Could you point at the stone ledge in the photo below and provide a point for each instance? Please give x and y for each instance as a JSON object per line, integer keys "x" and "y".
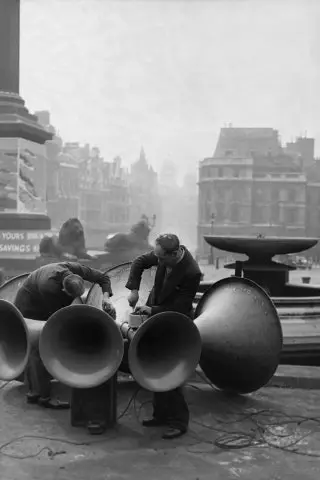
{"x": 286, "y": 376}
{"x": 295, "y": 376}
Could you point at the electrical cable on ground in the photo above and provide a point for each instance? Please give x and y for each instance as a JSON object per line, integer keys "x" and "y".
{"x": 52, "y": 453}
{"x": 258, "y": 438}
{"x": 227, "y": 440}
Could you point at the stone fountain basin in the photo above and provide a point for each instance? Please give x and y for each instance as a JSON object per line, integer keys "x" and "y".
{"x": 260, "y": 247}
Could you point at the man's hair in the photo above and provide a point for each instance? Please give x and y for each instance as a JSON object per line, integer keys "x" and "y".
{"x": 73, "y": 285}
{"x": 169, "y": 242}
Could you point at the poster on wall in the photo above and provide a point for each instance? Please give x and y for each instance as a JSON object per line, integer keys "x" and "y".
{"x": 31, "y": 177}
{"x": 8, "y": 179}
{"x": 20, "y": 244}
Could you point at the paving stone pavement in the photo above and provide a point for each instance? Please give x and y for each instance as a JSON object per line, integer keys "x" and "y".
{"x": 133, "y": 452}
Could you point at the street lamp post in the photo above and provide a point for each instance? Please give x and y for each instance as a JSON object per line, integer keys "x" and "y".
{"x": 211, "y": 260}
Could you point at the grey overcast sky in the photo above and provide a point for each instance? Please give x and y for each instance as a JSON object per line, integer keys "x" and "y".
{"x": 168, "y": 74}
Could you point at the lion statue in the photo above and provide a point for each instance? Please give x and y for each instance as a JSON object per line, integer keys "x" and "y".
{"x": 136, "y": 239}
{"x": 70, "y": 243}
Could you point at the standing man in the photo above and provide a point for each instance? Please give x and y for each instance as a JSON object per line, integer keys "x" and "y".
{"x": 46, "y": 290}
{"x": 176, "y": 283}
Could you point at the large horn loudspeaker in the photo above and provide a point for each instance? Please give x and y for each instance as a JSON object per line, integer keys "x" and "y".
{"x": 17, "y": 336}
{"x": 81, "y": 345}
{"x": 241, "y": 335}
{"x": 163, "y": 351}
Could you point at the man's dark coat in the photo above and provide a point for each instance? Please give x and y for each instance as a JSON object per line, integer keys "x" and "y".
{"x": 174, "y": 293}
{"x": 41, "y": 294}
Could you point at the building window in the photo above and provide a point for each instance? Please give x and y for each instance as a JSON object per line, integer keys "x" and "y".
{"x": 203, "y": 172}
{"x": 220, "y": 208}
{"x": 275, "y": 213}
{"x": 291, "y": 195}
{"x": 207, "y": 212}
{"x": 234, "y": 212}
{"x": 260, "y": 214}
{"x": 229, "y": 172}
{"x": 220, "y": 172}
{"x": 291, "y": 216}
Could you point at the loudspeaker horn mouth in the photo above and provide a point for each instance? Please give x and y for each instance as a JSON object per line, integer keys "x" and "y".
{"x": 14, "y": 342}
{"x": 81, "y": 346}
{"x": 164, "y": 351}
{"x": 241, "y": 335}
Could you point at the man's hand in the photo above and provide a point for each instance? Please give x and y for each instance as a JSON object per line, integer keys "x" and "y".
{"x": 133, "y": 298}
{"x": 144, "y": 310}
{"x": 108, "y": 307}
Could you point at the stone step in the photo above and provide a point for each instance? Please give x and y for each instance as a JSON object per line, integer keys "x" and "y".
{"x": 286, "y": 376}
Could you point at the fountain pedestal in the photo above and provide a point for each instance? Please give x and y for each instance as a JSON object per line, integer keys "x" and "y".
{"x": 271, "y": 275}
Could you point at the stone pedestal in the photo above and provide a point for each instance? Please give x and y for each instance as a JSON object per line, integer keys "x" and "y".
{"x": 272, "y": 276}
{"x": 23, "y": 212}
{"x": 22, "y": 176}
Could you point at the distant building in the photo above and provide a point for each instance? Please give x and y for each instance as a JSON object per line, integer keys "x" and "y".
{"x": 169, "y": 192}
{"x": 313, "y": 206}
{"x": 62, "y": 177}
{"x": 65, "y": 203}
{"x": 188, "y": 211}
{"x": 179, "y": 204}
{"x": 81, "y": 184}
{"x": 104, "y": 198}
{"x": 304, "y": 147}
{"x": 143, "y": 190}
{"x": 253, "y": 185}
{"x": 168, "y": 176}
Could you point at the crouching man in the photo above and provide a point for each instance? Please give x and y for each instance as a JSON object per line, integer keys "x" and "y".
{"x": 46, "y": 290}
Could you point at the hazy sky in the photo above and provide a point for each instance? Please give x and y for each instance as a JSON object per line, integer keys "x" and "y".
{"x": 168, "y": 74}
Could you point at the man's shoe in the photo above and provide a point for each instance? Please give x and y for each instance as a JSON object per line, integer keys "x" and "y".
{"x": 32, "y": 398}
{"x": 53, "y": 404}
{"x": 173, "y": 433}
{"x": 153, "y": 422}
{"x": 96, "y": 428}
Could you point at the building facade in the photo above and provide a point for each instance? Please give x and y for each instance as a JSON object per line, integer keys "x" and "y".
{"x": 179, "y": 202}
{"x": 104, "y": 198}
{"x": 188, "y": 203}
{"x": 81, "y": 184}
{"x": 252, "y": 185}
{"x": 143, "y": 190}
